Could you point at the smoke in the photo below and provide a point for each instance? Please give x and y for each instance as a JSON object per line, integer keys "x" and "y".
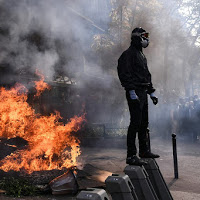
{"x": 46, "y": 35}
{"x": 56, "y": 38}
{"x": 172, "y": 57}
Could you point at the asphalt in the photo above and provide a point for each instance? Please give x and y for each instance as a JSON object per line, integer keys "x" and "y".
{"x": 101, "y": 162}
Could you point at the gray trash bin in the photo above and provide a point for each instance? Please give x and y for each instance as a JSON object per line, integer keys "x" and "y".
{"x": 92, "y": 194}
{"x": 157, "y": 180}
{"x": 141, "y": 182}
{"x": 120, "y": 187}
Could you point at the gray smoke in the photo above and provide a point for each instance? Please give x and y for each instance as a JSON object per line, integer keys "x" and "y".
{"x": 56, "y": 38}
{"x": 45, "y": 35}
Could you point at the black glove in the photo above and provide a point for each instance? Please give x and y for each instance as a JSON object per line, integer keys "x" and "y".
{"x": 154, "y": 98}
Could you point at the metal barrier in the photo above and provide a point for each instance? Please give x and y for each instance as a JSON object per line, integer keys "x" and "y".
{"x": 108, "y": 132}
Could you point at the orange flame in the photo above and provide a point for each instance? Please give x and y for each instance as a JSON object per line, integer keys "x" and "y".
{"x": 40, "y": 85}
{"x": 51, "y": 144}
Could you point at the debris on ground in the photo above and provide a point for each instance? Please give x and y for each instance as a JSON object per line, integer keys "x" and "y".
{"x": 65, "y": 184}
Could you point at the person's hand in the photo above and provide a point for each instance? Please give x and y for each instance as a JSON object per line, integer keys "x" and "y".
{"x": 154, "y": 98}
{"x": 133, "y": 95}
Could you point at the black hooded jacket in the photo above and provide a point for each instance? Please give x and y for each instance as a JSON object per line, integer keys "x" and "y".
{"x": 133, "y": 70}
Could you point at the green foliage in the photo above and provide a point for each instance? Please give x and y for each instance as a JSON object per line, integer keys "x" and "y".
{"x": 17, "y": 187}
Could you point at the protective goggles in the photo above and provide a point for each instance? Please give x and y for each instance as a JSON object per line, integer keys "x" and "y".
{"x": 145, "y": 34}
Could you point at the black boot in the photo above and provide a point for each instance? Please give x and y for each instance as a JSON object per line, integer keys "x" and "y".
{"x": 148, "y": 155}
{"x": 134, "y": 160}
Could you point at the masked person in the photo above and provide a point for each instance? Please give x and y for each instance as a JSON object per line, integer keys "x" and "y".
{"x": 136, "y": 79}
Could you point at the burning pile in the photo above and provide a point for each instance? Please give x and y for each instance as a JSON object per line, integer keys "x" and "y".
{"x": 51, "y": 143}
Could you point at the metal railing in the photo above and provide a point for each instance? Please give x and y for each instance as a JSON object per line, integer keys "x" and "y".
{"x": 103, "y": 130}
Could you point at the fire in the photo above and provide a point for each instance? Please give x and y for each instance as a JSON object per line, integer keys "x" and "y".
{"x": 51, "y": 143}
{"x": 40, "y": 85}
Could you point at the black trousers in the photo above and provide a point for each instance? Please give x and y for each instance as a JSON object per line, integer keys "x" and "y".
{"x": 138, "y": 123}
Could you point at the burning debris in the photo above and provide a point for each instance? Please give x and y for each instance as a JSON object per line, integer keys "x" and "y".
{"x": 51, "y": 144}
{"x": 65, "y": 80}
{"x": 40, "y": 85}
